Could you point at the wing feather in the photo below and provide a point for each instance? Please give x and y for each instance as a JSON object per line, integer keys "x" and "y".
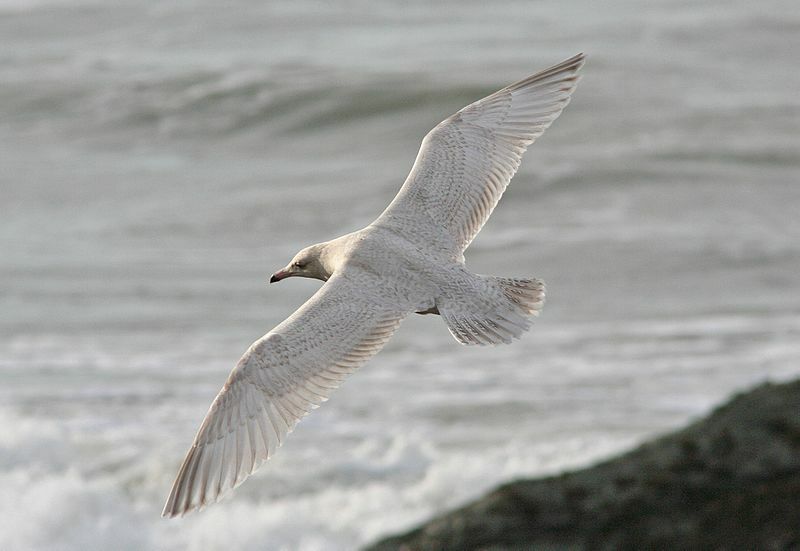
{"x": 466, "y": 162}
{"x": 282, "y": 377}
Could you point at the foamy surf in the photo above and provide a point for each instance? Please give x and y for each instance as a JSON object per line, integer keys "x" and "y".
{"x": 150, "y": 152}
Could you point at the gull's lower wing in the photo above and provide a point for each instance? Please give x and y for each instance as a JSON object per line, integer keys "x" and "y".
{"x": 281, "y": 377}
{"x": 466, "y": 162}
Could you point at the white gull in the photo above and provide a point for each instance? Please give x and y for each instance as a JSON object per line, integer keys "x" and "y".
{"x": 411, "y": 259}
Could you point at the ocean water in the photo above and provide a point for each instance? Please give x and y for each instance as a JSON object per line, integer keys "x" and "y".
{"x": 159, "y": 160}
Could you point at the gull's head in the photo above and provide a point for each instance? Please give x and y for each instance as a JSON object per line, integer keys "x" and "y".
{"x": 306, "y": 263}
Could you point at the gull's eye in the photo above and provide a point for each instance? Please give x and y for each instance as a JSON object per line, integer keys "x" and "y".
{"x": 299, "y": 264}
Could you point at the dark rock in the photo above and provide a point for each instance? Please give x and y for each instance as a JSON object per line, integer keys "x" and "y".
{"x": 729, "y": 481}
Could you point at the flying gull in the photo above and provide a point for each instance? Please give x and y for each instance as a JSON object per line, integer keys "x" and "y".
{"x": 411, "y": 259}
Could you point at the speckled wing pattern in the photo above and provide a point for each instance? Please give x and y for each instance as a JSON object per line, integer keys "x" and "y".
{"x": 462, "y": 169}
{"x": 466, "y": 162}
{"x": 281, "y": 377}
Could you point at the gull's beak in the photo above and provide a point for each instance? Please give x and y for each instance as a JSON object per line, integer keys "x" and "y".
{"x": 279, "y": 275}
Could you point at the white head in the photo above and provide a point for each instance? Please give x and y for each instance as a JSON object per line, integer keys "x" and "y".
{"x": 310, "y": 262}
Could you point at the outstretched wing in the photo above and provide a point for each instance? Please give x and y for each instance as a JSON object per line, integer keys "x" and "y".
{"x": 281, "y": 377}
{"x": 466, "y": 162}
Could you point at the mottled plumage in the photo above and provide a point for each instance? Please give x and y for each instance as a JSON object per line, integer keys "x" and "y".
{"x": 409, "y": 260}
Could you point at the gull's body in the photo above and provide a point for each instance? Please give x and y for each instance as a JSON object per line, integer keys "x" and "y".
{"x": 411, "y": 259}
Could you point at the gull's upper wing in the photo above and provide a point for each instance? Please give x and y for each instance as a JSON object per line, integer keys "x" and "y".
{"x": 281, "y": 377}
{"x": 466, "y": 162}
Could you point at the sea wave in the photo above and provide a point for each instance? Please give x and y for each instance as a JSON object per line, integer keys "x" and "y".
{"x": 214, "y": 104}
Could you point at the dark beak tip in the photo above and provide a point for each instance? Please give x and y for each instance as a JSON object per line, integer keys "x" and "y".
{"x": 274, "y": 278}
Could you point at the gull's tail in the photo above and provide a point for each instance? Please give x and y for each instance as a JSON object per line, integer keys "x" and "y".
{"x": 493, "y": 310}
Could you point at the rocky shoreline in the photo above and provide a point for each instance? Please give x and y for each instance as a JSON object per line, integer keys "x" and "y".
{"x": 728, "y": 481}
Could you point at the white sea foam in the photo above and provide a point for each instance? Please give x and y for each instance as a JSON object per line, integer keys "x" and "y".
{"x": 158, "y": 162}
{"x": 94, "y": 476}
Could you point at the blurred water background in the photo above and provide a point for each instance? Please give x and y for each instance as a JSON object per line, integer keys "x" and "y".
{"x": 158, "y": 160}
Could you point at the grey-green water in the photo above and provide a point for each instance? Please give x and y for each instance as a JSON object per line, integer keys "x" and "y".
{"x": 159, "y": 160}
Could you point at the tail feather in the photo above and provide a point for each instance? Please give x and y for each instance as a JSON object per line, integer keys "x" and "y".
{"x": 527, "y": 293}
{"x": 496, "y": 311}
